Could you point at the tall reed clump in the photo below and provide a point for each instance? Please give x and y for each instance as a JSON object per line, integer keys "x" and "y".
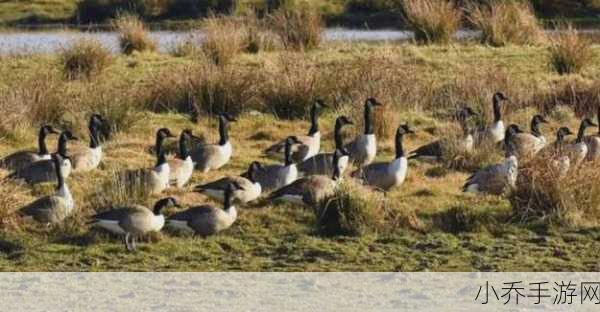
{"x": 84, "y": 58}
{"x": 506, "y": 22}
{"x": 224, "y": 38}
{"x": 544, "y": 192}
{"x": 569, "y": 52}
{"x": 299, "y": 27}
{"x": 433, "y": 21}
{"x": 133, "y": 35}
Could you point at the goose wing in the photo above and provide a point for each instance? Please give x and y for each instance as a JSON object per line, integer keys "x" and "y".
{"x": 318, "y": 164}
{"x": 206, "y": 156}
{"x": 48, "y": 209}
{"x": 491, "y": 179}
{"x": 296, "y": 188}
{"x": 527, "y": 144}
{"x": 37, "y": 172}
{"x": 18, "y": 160}
{"x": 269, "y": 177}
{"x": 222, "y": 183}
{"x": 433, "y": 149}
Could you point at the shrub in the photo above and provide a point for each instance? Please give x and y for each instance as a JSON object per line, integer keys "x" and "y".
{"x": 223, "y": 38}
{"x": 199, "y": 8}
{"x": 93, "y": 11}
{"x": 298, "y": 27}
{"x": 84, "y": 58}
{"x": 185, "y": 48}
{"x": 433, "y": 21}
{"x": 506, "y": 22}
{"x": 569, "y": 52}
{"x": 543, "y": 193}
{"x": 133, "y": 35}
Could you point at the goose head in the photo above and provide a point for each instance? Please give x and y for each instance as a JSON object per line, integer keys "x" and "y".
{"x": 187, "y": 134}
{"x": 291, "y": 140}
{"x": 164, "y": 133}
{"x": 319, "y": 104}
{"x": 465, "y": 112}
{"x": 230, "y": 189}
{"x": 165, "y": 203}
{"x": 499, "y": 97}
{"x": 67, "y": 135}
{"x": 400, "y": 133}
{"x": 226, "y": 118}
{"x": 96, "y": 120}
{"x": 403, "y": 130}
{"x": 48, "y": 129}
{"x": 586, "y": 123}
{"x": 253, "y": 169}
{"x": 512, "y": 130}
{"x": 371, "y": 102}
{"x": 562, "y": 133}
{"x": 538, "y": 119}
{"x": 342, "y": 121}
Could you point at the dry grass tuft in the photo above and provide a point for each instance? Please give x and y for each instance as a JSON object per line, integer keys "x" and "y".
{"x": 224, "y": 38}
{"x": 433, "y": 21}
{"x": 506, "y": 22}
{"x": 84, "y": 58}
{"x": 299, "y": 27}
{"x": 569, "y": 51}
{"x": 133, "y": 35}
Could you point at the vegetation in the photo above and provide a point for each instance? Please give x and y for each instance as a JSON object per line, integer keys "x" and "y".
{"x": 133, "y": 35}
{"x": 569, "y": 52}
{"x": 298, "y": 27}
{"x": 84, "y": 59}
{"x": 433, "y": 21}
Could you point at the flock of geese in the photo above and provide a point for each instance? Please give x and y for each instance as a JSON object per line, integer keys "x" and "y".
{"x": 305, "y": 177}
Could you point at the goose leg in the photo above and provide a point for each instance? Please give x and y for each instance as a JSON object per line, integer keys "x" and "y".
{"x": 133, "y": 242}
{"x": 127, "y": 243}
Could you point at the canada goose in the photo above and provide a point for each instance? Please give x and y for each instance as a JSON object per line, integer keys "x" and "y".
{"x": 22, "y": 159}
{"x": 182, "y": 167}
{"x": 323, "y": 163}
{"x": 495, "y": 179}
{"x": 560, "y": 162}
{"x": 250, "y": 187}
{"x": 364, "y": 147}
{"x": 207, "y": 220}
{"x": 593, "y": 142}
{"x": 309, "y": 144}
{"x": 578, "y": 150}
{"x": 385, "y": 175}
{"x": 89, "y": 158}
{"x": 133, "y": 221}
{"x": 214, "y": 156}
{"x": 528, "y": 145}
{"x": 310, "y": 190}
{"x": 54, "y": 208}
{"x": 494, "y": 132}
{"x": 153, "y": 180}
{"x": 277, "y": 176}
{"x": 43, "y": 170}
{"x": 434, "y": 151}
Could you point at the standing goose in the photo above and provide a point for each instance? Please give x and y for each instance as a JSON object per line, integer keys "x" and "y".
{"x": 560, "y": 162}
{"x": 593, "y": 142}
{"x": 309, "y": 144}
{"x": 528, "y": 145}
{"x": 207, "y": 220}
{"x": 277, "y": 176}
{"x": 43, "y": 170}
{"x": 54, "y": 208}
{"x": 133, "y": 221}
{"x": 434, "y": 151}
{"x": 182, "y": 167}
{"x": 385, "y": 175}
{"x": 495, "y": 132}
{"x": 364, "y": 147}
{"x": 89, "y": 158}
{"x": 250, "y": 187}
{"x": 578, "y": 150}
{"x": 495, "y": 179}
{"x": 323, "y": 163}
{"x": 22, "y": 159}
{"x": 310, "y": 190}
{"x": 214, "y": 156}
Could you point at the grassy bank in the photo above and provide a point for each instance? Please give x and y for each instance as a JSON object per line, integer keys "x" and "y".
{"x": 437, "y": 227}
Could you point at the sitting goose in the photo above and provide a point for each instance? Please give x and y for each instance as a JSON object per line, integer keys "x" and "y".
{"x": 593, "y": 142}
{"x": 434, "y": 151}
{"x": 364, "y": 147}
{"x": 207, "y": 220}
{"x": 154, "y": 180}
{"x": 43, "y": 170}
{"x": 578, "y": 150}
{"x": 214, "y": 156}
{"x": 54, "y": 208}
{"x": 250, "y": 187}
{"x": 495, "y": 132}
{"x": 561, "y": 162}
{"x": 182, "y": 167}
{"x": 89, "y": 158}
{"x": 309, "y": 144}
{"x": 528, "y": 145}
{"x": 494, "y": 179}
{"x": 133, "y": 221}
{"x": 277, "y": 176}
{"x": 323, "y": 163}
{"x": 22, "y": 159}
{"x": 385, "y": 175}
{"x": 311, "y": 190}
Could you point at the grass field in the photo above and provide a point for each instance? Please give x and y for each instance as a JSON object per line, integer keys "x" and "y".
{"x": 481, "y": 234}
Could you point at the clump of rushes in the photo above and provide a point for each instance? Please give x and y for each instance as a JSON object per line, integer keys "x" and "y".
{"x": 223, "y": 38}
{"x": 546, "y": 193}
{"x": 569, "y": 52}
{"x": 433, "y": 21}
{"x": 299, "y": 27}
{"x": 506, "y": 22}
{"x": 84, "y": 58}
{"x": 133, "y": 35}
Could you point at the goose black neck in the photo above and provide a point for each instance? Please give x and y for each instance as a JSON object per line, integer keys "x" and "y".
{"x": 158, "y": 207}
{"x": 535, "y": 129}
{"x": 314, "y": 121}
{"x": 42, "y": 148}
{"x": 336, "y": 166}
{"x": 369, "y": 119}
{"x": 62, "y": 145}
{"x": 581, "y": 133}
{"x": 337, "y": 134}
{"x": 560, "y": 137}
{"x": 251, "y": 174}
{"x": 223, "y": 131}
{"x": 94, "y": 139}
{"x": 288, "y": 154}
{"x": 227, "y": 199}
{"x": 183, "y": 150}
{"x": 497, "y": 113}
{"x": 160, "y": 153}
{"x": 59, "y": 175}
{"x": 399, "y": 147}
{"x": 598, "y": 119}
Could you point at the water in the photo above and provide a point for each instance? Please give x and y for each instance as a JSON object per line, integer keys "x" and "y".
{"x": 50, "y": 41}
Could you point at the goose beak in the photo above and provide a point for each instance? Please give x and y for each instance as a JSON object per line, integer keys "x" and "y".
{"x": 74, "y": 138}
{"x": 593, "y": 124}
{"x": 54, "y": 131}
